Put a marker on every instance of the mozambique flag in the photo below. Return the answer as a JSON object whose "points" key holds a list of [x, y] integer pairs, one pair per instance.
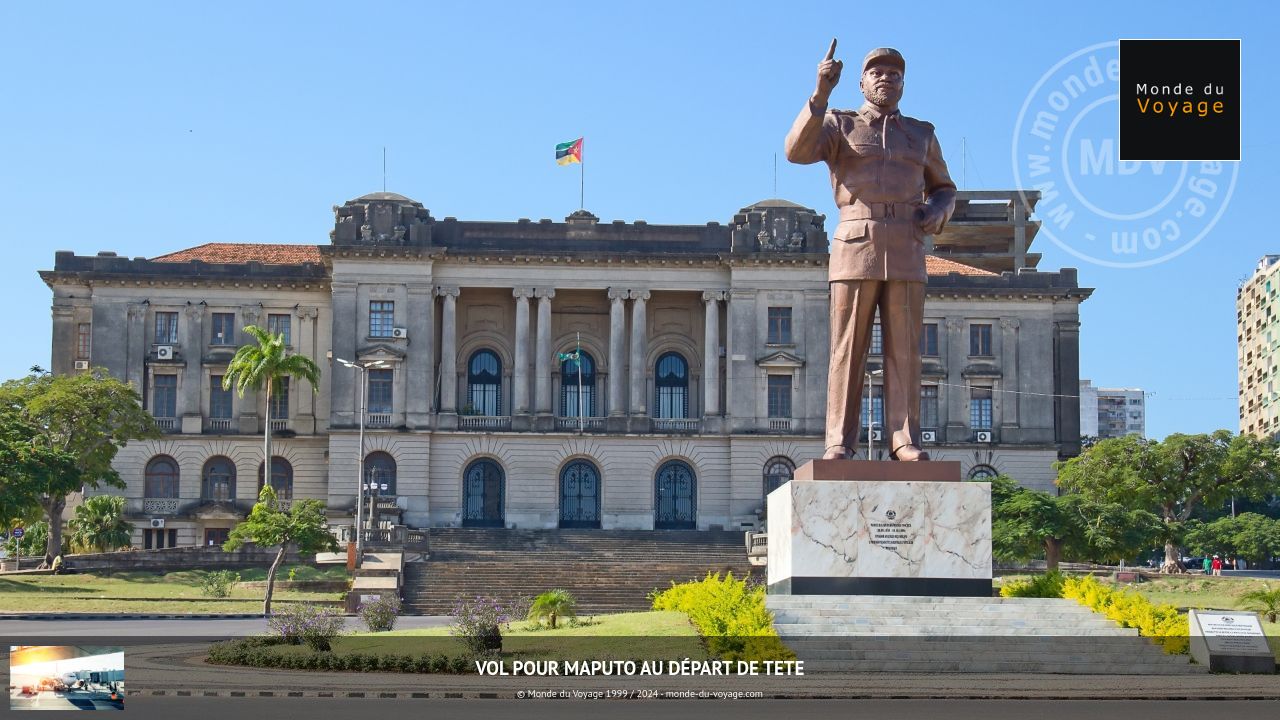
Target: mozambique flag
{"points": [[569, 152]]}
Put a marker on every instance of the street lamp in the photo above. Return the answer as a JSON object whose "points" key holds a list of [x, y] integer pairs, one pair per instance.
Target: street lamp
{"points": [[361, 370], [871, 414]]}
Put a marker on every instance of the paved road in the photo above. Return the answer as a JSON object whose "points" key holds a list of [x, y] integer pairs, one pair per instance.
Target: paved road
{"points": [[204, 627], [69, 700], [198, 708]]}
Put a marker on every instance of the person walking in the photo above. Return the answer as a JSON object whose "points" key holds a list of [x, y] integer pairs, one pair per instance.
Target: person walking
{"points": [[1217, 565], [1208, 565]]}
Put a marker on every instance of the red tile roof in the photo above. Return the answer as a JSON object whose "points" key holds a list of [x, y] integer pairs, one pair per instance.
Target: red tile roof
{"points": [[935, 265], [266, 253]]}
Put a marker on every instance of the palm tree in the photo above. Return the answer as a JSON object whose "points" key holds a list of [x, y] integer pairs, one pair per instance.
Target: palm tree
{"points": [[553, 604], [260, 366], [1265, 601], [99, 525]]}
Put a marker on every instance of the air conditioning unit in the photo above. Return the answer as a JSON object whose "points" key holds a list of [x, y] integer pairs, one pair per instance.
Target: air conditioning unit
{"points": [[82, 364], [164, 352], [877, 435], [401, 333], [157, 522], [984, 436], [928, 436]]}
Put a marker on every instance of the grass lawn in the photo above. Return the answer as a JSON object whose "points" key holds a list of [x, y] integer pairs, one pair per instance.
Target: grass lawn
{"points": [[624, 636], [142, 591], [1210, 593]]}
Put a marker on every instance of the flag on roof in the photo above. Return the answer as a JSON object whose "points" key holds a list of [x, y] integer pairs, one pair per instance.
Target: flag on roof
{"points": [[569, 152]]}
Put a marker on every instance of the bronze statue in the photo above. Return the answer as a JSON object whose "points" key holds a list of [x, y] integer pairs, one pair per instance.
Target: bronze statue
{"points": [[892, 188]]}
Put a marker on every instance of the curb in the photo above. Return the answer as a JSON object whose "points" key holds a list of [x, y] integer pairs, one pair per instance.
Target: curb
{"points": [[129, 616]]}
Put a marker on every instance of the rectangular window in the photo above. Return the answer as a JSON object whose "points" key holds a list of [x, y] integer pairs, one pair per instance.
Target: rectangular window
{"points": [[219, 399], [980, 408], [164, 396], [779, 326], [83, 339], [381, 317], [379, 391], [929, 340], [928, 406], [779, 396], [877, 339], [166, 328], [279, 324], [280, 399], [224, 329], [980, 339], [873, 407]]}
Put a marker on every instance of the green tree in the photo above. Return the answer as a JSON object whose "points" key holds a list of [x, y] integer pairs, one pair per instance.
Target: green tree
{"points": [[36, 536], [261, 366], [99, 525], [1171, 478], [77, 424], [552, 605], [1027, 523], [1254, 537], [302, 526]]}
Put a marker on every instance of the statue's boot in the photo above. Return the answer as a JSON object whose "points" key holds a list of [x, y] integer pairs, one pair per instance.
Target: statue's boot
{"points": [[909, 453], [837, 452]]}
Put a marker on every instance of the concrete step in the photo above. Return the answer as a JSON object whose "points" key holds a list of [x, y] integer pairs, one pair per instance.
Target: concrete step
{"points": [[998, 667]]}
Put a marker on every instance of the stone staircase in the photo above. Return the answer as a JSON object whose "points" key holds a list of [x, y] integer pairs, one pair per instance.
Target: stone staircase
{"points": [[607, 571], [852, 633]]}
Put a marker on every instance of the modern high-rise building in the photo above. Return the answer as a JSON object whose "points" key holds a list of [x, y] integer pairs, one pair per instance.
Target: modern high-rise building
{"points": [[1257, 338], [1112, 412]]}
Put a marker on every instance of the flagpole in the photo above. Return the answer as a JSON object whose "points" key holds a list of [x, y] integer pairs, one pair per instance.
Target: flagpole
{"points": [[582, 183]]}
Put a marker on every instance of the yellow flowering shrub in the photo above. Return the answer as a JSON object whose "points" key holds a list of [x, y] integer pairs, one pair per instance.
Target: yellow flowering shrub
{"points": [[729, 614], [1162, 623]]}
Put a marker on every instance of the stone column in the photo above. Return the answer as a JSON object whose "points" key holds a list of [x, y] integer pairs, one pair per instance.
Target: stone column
{"points": [[1066, 386], [343, 389], [955, 351], [542, 357], [64, 339], [617, 341], [639, 347], [248, 405], [419, 380], [520, 372], [139, 347], [305, 340], [192, 370], [1008, 401], [711, 353], [449, 358]]}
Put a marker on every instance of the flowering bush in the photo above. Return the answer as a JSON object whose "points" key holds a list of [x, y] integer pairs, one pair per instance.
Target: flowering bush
{"points": [[311, 624], [380, 615], [477, 622], [1163, 623], [1048, 585], [729, 614]]}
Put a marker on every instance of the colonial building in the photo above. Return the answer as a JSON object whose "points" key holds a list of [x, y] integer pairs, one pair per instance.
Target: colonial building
{"points": [[698, 385], [1257, 341]]}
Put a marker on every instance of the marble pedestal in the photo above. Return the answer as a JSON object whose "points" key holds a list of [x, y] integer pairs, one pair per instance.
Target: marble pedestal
{"points": [[921, 533]]}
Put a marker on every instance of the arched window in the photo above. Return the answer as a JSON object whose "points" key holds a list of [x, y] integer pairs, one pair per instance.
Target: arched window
{"points": [[484, 383], [672, 383], [778, 471], [219, 480], [578, 386], [482, 491], [580, 495], [675, 497], [281, 478], [380, 468], [982, 472], [161, 478]]}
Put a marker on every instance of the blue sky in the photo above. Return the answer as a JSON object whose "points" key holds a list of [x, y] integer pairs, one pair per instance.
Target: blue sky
{"points": [[145, 128]]}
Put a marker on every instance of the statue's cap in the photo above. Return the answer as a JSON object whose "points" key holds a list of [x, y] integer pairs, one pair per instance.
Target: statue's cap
{"points": [[884, 55]]}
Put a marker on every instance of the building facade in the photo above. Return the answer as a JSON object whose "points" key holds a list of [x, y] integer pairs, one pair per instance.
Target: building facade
{"points": [[1112, 412], [546, 374], [1257, 341]]}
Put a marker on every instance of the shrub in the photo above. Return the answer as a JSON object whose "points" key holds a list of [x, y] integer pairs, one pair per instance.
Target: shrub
{"points": [[380, 615], [219, 583], [311, 624], [1162, 623], [552, 605], [729, 614], [1048, 585], [1265, 601], [477, 623]]}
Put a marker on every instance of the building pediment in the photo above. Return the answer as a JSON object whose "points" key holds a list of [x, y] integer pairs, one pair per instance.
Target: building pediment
{"points": [[214, 510], [781, 360], [380, 351], [981, 370], [932, 369]]}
